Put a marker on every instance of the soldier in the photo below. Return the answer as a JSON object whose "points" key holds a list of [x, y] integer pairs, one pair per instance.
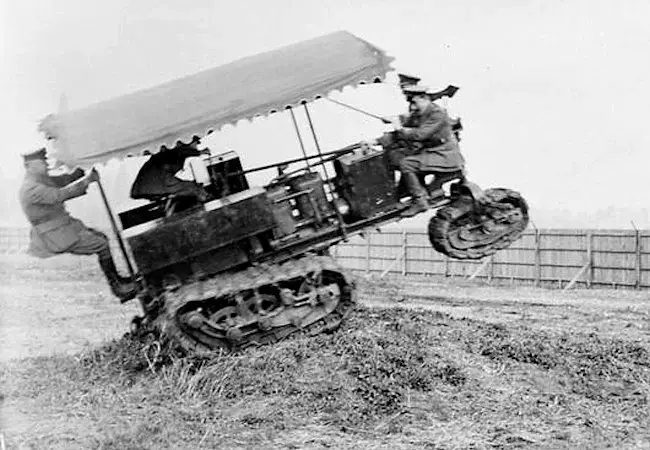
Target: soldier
{"points": [[157, 177], [431, 145], [54, 231], [394, 150]]}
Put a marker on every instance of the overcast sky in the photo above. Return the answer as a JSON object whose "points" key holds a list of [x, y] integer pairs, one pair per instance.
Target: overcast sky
{"points": [[554, 95]]}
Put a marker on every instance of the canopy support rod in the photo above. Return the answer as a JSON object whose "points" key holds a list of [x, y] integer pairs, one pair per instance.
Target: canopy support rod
{"points": [[327, 177], [313, 133], [302, 145], [118, 236]]}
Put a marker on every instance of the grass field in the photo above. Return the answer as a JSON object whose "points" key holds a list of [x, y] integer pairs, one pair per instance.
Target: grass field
{"points": [[420, 364]]}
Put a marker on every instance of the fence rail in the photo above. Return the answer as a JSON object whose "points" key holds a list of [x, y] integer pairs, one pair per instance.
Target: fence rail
{"points": [[618, 258], [615, 258]]}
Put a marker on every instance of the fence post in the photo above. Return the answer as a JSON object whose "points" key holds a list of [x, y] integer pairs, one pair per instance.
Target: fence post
{"points": [[590, 259], [446, 266], [637, 248], [404, 252], [538, 258], [368, 254], [491, 269]]}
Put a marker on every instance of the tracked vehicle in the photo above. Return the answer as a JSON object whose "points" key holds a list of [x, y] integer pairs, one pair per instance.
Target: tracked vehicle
{"points": [[250, 265]]}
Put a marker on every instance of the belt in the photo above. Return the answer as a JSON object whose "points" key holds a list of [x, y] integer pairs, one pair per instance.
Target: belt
{"points": [[437, 141], [41, 220]]}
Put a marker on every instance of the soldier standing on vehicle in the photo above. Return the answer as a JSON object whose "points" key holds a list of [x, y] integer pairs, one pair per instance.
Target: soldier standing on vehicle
{"points": [[54, 231], [431, 145]]}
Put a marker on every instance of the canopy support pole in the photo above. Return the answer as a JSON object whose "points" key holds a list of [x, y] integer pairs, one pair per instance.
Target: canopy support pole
{"points": [[313, 133], [329, 180], [118, 236], [302, 145]]}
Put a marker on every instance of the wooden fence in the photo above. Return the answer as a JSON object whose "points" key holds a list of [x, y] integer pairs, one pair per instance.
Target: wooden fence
{"points": [[564, 258], [614, 258]]}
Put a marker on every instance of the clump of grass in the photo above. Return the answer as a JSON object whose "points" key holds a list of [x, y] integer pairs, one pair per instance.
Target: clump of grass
{"points": [[363, 371], [132, 356]]}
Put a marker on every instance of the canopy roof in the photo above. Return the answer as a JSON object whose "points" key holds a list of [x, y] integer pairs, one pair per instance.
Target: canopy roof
{"points": [[200, 103]]}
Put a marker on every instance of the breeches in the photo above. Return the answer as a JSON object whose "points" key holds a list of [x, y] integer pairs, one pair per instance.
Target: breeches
{"points": [[90, 242], [393, 156], [412, 164]]}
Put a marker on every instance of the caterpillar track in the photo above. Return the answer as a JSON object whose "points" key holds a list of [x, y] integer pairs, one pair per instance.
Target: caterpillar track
{"points": [[260, 305], [467, 229]]}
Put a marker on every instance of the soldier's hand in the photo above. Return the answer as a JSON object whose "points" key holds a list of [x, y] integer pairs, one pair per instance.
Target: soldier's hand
{"points": [[78, 173], [203, 195]]}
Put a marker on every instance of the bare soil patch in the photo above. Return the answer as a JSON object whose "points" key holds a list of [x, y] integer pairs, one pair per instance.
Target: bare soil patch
{"points": [[57, 305]]}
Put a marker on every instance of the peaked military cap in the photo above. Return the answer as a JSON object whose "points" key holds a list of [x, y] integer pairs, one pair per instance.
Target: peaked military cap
{"points": [[35, 155], [407, 80], [415, 90], [449, 91]]}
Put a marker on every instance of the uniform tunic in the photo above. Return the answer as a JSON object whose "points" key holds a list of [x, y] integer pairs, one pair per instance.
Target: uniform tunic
{"points": [[154, 181], [54, 231], [429, 140]]}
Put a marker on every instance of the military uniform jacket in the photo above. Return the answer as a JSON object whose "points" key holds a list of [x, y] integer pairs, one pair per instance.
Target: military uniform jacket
{"points": [[430, 136], [153, 182], [42, 199]]}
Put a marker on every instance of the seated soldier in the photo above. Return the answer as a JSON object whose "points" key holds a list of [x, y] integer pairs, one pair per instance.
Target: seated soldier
{"points": [[429, 145], [157, 177], [396, 150]]}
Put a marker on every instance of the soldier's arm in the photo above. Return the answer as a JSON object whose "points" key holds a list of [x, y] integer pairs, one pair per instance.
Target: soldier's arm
{"points": [[67, 178], [426, 130], [177, 186], [385, 140], [406, 119], [46, 195]]}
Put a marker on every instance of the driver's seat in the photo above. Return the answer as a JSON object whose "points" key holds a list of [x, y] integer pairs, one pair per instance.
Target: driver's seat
{"points": [[434, 188]]}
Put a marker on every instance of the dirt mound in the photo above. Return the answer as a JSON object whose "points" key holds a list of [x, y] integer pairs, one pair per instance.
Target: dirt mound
{"points": [[364, 371], [388, 378]]}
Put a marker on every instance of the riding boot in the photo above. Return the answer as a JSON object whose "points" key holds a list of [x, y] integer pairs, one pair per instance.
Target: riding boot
{"points": [[123, 288], [419, 205], [420, 202]]}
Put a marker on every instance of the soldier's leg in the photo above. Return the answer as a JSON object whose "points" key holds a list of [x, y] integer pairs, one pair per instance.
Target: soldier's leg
{"points": [[410, 167], [95, 242], [393, 155]]}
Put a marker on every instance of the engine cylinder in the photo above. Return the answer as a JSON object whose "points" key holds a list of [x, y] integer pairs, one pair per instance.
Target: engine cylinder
{"points": [[311, 181]]}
